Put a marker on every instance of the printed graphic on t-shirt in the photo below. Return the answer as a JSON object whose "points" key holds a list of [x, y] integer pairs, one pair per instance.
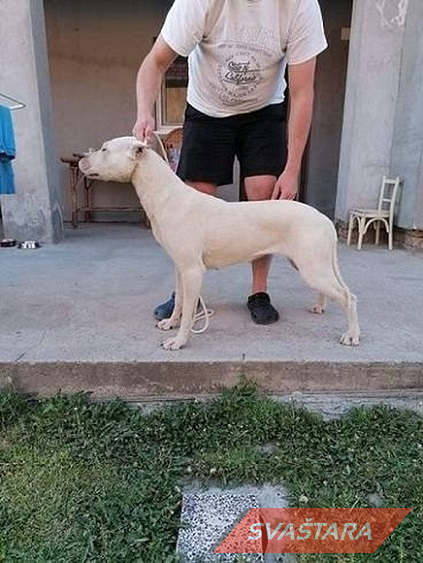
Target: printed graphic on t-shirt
{"points": [[244, 72], [242, 60], [238, 78]]}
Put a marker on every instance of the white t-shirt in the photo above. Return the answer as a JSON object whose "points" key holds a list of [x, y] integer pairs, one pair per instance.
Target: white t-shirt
{"points": [[238, 49]]}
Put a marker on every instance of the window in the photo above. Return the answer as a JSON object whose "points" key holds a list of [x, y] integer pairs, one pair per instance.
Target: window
{"points": [[171, 103]]}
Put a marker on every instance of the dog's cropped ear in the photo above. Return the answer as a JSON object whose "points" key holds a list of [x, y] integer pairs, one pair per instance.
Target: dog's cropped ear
{"points": [[137, 149], [155, 143]]}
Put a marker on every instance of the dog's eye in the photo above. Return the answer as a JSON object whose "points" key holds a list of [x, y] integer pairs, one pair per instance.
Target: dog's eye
{"points": [[104, 149]]}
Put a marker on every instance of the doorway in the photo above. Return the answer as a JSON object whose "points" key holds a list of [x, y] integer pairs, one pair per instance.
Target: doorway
{"points": [[319, 176]]}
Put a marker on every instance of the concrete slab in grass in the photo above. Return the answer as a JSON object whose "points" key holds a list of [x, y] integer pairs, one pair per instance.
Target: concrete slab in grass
{"points": [[208, 514]]}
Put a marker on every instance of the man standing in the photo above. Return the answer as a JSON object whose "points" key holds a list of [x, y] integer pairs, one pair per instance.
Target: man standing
{"points": [[238, 52]]}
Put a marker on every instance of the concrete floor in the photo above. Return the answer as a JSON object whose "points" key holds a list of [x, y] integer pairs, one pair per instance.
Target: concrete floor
{"points": [[78, 315]]}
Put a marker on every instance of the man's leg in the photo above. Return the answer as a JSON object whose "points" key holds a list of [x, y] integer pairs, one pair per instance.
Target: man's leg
{"points": [[260, 188]]}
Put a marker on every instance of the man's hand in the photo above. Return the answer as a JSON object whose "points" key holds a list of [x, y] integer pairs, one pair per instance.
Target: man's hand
{"points": [[149, 79], [143, 129], [286, 186]]}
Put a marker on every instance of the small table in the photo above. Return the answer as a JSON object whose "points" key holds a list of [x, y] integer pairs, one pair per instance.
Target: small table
{"points": [[78, 179]]}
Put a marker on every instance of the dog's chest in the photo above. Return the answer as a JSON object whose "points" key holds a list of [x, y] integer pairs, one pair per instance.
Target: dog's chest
{"points": [[157, 231]]}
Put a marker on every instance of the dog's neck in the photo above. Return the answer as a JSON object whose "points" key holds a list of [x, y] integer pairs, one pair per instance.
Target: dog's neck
{"points": [[155, 183]]}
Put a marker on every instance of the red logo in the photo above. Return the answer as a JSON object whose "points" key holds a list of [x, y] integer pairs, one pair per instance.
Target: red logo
{"points": [[312, 530]]}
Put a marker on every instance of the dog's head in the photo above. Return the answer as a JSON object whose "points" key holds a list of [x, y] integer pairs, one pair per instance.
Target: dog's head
{"points": [[115, 161]]}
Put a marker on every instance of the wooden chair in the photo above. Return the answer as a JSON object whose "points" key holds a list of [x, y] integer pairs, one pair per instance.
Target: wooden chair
{"points": [[384, 214], [172, 143]]}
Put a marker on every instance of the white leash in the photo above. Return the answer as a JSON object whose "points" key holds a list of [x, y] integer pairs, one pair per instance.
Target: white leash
{"points": [[204, 313]]}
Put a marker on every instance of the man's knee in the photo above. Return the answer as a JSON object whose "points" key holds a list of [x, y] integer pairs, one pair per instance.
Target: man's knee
{"points": [[259, 187]]}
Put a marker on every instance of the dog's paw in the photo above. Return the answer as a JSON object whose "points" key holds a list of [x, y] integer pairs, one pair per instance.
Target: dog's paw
{"points": [[349, 339], [317, 309], [320, 305], [173, 343], [166, 324]]}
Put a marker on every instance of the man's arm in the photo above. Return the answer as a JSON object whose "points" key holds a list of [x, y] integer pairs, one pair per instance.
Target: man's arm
{"points": [[149, 80], [301, 90]]}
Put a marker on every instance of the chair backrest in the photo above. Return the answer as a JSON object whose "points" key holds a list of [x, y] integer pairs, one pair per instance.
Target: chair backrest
{"points": [[172, 143], [156, 143], [389, 192], [168, 146], [173, 138]]}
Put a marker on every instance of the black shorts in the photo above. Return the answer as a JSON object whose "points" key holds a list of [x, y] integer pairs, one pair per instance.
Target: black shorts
{"points": [[210, 145]]}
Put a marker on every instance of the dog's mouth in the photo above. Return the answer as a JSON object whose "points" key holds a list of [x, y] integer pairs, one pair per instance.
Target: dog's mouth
{"points": [[86, 170], [88, 173]]}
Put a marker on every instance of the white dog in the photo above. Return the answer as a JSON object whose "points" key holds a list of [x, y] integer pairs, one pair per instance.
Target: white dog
{"points": [[199, 232]]}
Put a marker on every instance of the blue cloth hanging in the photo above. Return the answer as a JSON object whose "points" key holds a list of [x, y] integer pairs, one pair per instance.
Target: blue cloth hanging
{"points": [[7, 151]]}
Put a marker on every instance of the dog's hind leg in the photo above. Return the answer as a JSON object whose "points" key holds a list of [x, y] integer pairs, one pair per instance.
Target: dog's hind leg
{"points": [[190, 285], [320, 305], [325, 278], [328, 285]]}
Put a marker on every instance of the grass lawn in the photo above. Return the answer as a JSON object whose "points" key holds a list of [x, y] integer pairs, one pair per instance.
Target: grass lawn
{"points": [[82, 481]]}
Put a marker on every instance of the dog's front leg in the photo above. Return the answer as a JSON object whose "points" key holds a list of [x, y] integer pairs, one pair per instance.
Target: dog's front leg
{"points": [[191, 281], [173, 320]]}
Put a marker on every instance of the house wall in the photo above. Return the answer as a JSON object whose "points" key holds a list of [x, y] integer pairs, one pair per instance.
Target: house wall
{"points": [[371, 99], [407, 147], [383, 119]]}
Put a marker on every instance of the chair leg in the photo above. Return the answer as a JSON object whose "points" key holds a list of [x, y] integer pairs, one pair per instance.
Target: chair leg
{"points": [[350, 228], [361, 227], [390, 236], [377, 227]]}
